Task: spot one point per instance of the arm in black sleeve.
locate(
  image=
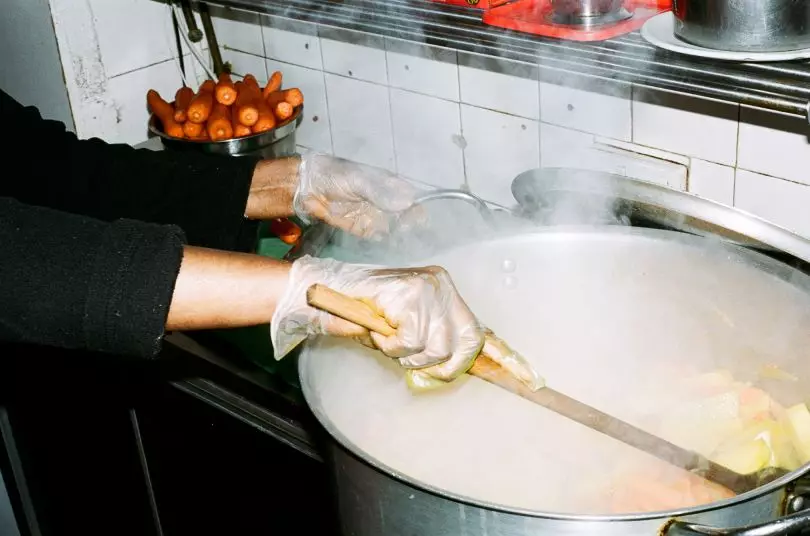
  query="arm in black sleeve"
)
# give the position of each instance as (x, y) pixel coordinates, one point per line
(203, 194)
(75, 282)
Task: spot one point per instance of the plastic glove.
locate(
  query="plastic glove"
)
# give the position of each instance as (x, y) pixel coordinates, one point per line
(362, 200)
(437, 337)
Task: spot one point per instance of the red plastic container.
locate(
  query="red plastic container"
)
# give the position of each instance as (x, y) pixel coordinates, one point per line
(534, 17)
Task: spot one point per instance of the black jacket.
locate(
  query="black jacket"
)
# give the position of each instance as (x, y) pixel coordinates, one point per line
(91, 234)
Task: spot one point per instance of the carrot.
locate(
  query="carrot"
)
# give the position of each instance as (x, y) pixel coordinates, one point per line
(274, 84)
(181, 101)
(225, 92)
(200, 107)
(294, 97)
(239, 130)
(219, 123)
(165, 112)
(266, 119)
(208, 85)
(286, 230)
(193, 130)
(280, 107)
(246, 103)
(250, 80)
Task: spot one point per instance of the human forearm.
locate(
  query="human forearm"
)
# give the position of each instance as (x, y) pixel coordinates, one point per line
(218, 289)
(272, 189)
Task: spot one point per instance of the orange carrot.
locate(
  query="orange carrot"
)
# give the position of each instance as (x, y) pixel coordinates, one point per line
(274, 84)
(251, 80)
(286, 230)
(208, 85)
(239, 130)
(225, 92)
(200, 107)
(266, 119)
(181, 101)
(246, 103)
(193, 130)
(165, 112)
(219, 123)
(280, 107)
(294, 97)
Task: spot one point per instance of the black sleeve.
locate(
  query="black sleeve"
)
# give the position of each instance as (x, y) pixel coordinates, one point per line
(75, 282)
(205, 195)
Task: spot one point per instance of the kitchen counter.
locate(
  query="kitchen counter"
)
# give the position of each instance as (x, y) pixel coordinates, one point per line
(781, 87)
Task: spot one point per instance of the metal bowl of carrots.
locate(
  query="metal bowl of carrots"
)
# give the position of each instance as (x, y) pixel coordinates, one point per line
(231, 119)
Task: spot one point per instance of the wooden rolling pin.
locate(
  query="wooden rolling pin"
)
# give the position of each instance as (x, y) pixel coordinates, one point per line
(356, 311)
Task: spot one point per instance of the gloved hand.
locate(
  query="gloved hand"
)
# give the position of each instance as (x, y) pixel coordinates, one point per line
(437, 338)
(360, 199)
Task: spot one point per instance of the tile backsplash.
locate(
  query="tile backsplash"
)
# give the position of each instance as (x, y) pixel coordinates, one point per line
(449, 119)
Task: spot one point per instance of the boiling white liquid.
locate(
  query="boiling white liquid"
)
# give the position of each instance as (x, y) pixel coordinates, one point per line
(612, 322)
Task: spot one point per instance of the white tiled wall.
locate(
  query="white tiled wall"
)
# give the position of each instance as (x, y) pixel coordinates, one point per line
(444, 118)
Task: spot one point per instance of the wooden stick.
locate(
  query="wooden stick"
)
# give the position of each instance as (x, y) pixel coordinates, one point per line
(485, 368)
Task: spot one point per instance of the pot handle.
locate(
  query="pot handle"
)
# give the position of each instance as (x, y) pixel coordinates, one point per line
(461, 195)
(791, 524)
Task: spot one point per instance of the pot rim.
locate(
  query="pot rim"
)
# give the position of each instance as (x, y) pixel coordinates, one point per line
(315, 406)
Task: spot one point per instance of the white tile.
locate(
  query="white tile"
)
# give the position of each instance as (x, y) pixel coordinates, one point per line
(498, 91)
(292, 47)
(121, 26)
(712, 181)
(243, 64)
(498, 148)
(774, 144)
(561, 147)
(354, 61)
(781, 202)
(438, 78)
(427, 139)
(314, 130)
(606, 111)
(237, 30)
(360, 118)
(691, 126)
(128, 94)
(641, 167)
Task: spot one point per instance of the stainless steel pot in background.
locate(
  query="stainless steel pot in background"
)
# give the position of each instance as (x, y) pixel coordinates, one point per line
(276, 143)
(744, 25)
(588, 12)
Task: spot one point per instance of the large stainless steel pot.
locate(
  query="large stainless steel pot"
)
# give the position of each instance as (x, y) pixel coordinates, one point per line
(376, 499)
(744, 25)
(588, 12)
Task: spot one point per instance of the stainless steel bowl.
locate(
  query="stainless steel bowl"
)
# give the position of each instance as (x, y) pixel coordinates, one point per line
(744, 25)
(275, 143)
(588, 12)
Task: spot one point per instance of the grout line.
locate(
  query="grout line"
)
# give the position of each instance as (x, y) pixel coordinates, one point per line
(391, 112)
(161, 62)
(632, 113)
(264, 42)
(461, 127)
(326, 98)
(734, 190)
(736, 157)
